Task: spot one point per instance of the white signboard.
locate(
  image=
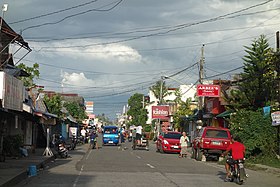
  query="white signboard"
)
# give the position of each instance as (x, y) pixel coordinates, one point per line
(73, 132)
(12, 92)
(275, 116)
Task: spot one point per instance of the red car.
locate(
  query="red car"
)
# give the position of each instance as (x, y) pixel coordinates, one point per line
(169, 142)
(210, 142)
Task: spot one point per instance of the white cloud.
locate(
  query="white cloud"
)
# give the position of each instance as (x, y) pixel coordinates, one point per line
(75, 79)
(114, 53)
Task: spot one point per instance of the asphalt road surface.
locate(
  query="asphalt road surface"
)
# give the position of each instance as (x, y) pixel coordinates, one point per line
(122, 166)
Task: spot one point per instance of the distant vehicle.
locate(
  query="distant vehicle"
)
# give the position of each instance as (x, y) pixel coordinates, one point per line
(144, 143)
(169, 142)
(110, 135)
(210, 142)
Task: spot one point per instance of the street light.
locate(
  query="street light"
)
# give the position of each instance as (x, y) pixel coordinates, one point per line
(167, 77)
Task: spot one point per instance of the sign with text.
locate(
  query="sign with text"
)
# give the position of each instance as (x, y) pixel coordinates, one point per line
(275, 116)
(208, 90)
(89, 107)
(11, 92)
(160, 112)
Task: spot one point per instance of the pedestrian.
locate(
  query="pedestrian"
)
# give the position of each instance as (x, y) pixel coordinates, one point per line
(122, 134)
(184, 145)
(134, 134)
(83, 133)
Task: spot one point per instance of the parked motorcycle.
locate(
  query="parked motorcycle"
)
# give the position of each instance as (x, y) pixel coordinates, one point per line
(238, 173)
(62, 151)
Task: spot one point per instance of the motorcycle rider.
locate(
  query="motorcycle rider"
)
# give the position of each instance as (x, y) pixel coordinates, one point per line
(237, 150)
(139, 129)
(93, 137)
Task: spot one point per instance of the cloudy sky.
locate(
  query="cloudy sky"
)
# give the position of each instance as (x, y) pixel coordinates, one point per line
(106, 50)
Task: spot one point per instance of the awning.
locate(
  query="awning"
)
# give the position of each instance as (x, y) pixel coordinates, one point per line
(224, 114)
(70, 118)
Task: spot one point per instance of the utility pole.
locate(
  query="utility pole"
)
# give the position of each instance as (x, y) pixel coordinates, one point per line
(278, 85)
(161, 94)
(201, 75)
(201, 65)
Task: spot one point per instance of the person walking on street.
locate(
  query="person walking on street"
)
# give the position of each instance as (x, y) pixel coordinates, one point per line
(184, 145)
(83, 133)
(122, 134)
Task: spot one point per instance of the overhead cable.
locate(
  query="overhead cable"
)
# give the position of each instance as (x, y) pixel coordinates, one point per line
(77, 14)
(175, 28)
(55, 12)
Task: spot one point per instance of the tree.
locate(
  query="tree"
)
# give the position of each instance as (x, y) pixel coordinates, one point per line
(104, 119)
(54, 105)
(136, 110)
(76, 111)
(255, 88)
(160, 90)
(255, 131)
(33, 71)
(183, 109)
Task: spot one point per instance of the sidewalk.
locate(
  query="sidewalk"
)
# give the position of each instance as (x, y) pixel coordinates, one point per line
(14, 170)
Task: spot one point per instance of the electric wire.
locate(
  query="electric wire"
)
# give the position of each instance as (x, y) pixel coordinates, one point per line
(77, 14)
(175, 28)
(55, 12)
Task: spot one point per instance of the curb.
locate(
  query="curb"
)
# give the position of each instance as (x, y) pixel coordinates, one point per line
(268, 169)
(24, 173)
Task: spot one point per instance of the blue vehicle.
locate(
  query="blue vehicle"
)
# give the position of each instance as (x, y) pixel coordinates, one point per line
(111, 135)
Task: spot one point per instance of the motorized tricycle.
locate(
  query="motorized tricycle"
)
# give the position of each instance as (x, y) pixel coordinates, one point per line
(144, 143)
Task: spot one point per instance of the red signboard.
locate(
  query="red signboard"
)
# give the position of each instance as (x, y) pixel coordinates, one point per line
(204, 90)
(160, 112)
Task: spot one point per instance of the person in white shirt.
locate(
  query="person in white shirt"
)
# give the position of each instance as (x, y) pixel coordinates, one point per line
(139, 134)
(83, 133)
(184, 145)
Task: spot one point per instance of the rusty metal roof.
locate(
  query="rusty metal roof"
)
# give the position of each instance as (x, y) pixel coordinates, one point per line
(12, 35)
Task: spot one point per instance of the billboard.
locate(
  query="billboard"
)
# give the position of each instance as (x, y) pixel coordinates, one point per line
(160, 112)
(208, 90)
(11, 92)
(89, 107)
(275, 116)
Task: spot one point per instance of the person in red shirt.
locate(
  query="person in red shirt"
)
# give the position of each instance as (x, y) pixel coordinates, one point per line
(237, 150)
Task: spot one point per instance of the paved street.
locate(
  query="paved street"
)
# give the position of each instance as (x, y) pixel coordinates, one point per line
(118, 166)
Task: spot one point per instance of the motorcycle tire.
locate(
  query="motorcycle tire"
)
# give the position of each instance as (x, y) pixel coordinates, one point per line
(199, 155)
(193, 153)
(239, 181)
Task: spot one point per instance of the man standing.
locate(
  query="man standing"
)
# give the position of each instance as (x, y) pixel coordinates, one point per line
(83, 133)
(139, 134)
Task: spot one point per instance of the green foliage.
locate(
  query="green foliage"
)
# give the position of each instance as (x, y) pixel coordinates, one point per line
(54, 104)
(76, 111)
(255, 131)
(160, 90)
(256, 86)
(147, 128)
(33, 71)
(104, 119)
(182, 111)
(136, 110)
(11, 145)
